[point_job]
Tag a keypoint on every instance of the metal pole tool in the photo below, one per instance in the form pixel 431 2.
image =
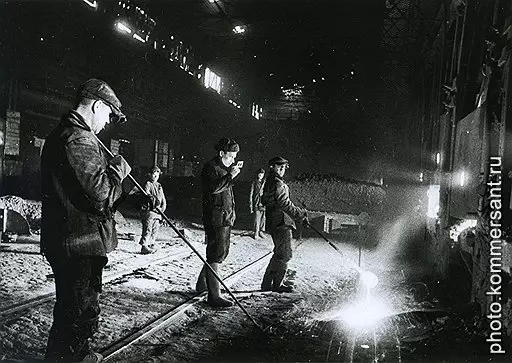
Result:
pixel 186 241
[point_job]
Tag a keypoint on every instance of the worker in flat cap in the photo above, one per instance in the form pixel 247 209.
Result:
pixel 257 208
pixel 150 216
pixel 80 188
pixel 281 216
pixel 219 216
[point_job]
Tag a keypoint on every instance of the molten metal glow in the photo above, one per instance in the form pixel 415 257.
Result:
pixel 369 279
pixel 364 315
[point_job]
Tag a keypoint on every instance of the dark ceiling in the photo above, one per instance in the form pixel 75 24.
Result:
pixel 286 41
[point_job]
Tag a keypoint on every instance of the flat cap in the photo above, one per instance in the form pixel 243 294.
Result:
pixel 277 160
pixel 227 145
pixel 261 171
pixel 97 89
pixel 155 168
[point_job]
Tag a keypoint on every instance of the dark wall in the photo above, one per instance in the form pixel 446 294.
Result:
pixel 52 47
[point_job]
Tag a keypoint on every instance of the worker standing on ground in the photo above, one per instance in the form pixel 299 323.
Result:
pixel 281 213
pixel 79 190
pixel 218 215
pixel 257 208
pixel 150 216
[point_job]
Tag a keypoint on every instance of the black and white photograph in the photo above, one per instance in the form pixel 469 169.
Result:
pixel 256 181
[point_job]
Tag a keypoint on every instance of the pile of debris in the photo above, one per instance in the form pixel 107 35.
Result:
pixel 332 193
pixel 29 209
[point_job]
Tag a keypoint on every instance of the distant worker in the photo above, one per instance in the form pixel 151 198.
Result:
pixel 257 208
pixel 150 216
pixel 218 215
pixel 80 189
pixel 281 213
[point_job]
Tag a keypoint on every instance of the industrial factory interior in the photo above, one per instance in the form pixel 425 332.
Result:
pixel 256 181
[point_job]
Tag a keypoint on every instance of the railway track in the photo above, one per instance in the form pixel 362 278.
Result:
pixel 174 313
pixel 23 324
pixel 43 298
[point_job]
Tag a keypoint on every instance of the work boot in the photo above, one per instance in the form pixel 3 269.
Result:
pixel 214 298
pixel 266 284
pixel 279 275
pixel 201 281
pixel 283 288
pixel 146 250
pixel 92 357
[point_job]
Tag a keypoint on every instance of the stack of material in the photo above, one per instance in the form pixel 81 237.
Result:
pixel 334 194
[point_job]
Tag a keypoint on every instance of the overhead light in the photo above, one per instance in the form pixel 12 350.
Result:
pixel 438 158
pixel 92 4
pixel 123 28
pixel 239 29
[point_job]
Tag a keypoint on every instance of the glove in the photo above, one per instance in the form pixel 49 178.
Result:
pixel 119 166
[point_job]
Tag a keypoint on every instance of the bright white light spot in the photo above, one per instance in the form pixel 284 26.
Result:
pixel 433 201
pixel 212 1
pixel 352 72
pixel 438 158
pixel 239 29
pixel 256 111
pixel 42 39
pixel 92 4
pixel 314 80
pixel 457 229
pixel 364 315
pixel 154 44
pixel 369 279
pixel 123 28
pixel 199 76
pixel 212 80
pixel 462 178
pixel 365 346
pixel 138 37
pixel 357 99
pixel 421 176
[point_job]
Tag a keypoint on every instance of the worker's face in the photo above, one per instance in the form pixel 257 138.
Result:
pixel 260 176
pixel 280 169
pixel 228 157
pixel 155 175
pixel 101 116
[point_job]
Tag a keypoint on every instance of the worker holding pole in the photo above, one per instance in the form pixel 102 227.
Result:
pixel 218 215
pixel 80 189
pixel 281 216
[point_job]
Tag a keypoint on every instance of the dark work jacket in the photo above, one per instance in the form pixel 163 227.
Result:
pixel 79 190
pixel 218 198
pixel 255 195
pixel 281 212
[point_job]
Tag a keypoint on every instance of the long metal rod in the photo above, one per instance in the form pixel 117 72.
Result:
pixel 187 242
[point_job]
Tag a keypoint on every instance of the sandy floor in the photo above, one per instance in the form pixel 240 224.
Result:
pixel 329 317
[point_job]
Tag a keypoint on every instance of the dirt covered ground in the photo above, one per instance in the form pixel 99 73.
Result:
pixel 329 317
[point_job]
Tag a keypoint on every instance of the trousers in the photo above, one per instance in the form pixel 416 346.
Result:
pixel 78 283
pixel 276 269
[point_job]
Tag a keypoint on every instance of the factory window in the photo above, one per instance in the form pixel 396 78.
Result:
pixel 256 111
pixel 212 80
